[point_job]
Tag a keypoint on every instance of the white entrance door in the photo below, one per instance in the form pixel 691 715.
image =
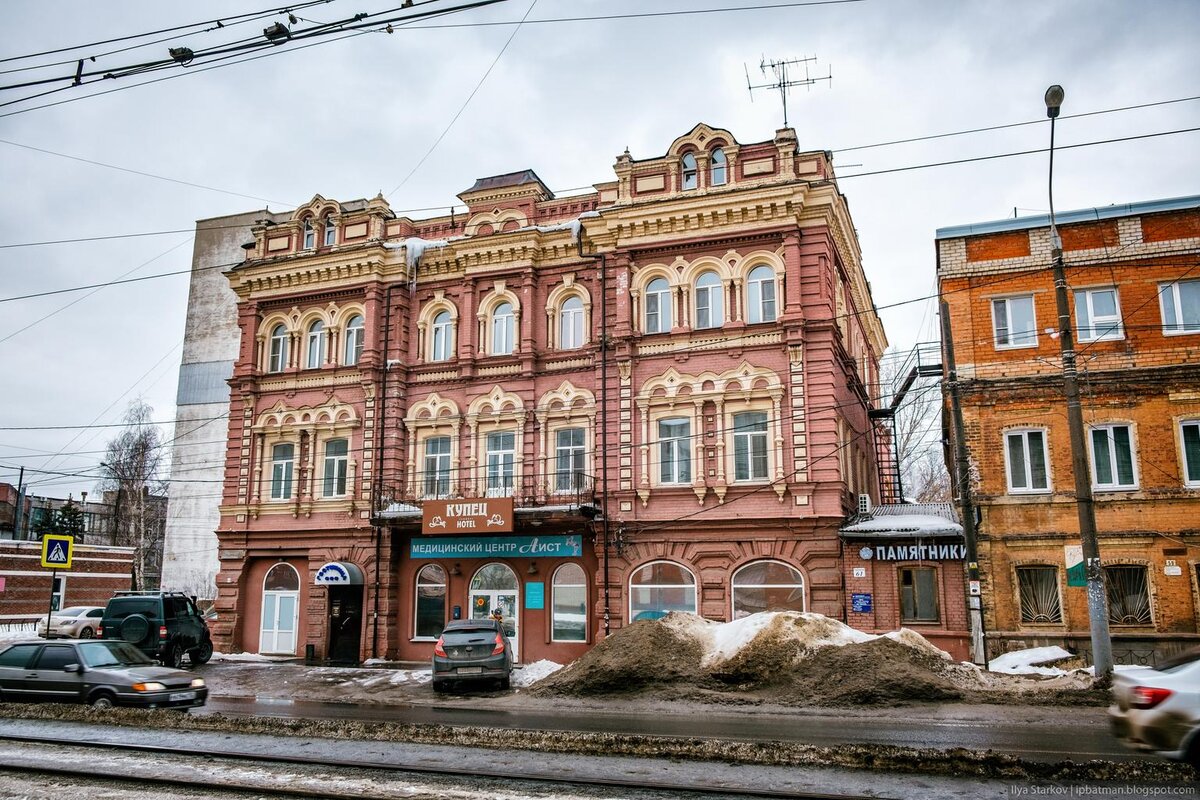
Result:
pixel 495 587
pixel 279 623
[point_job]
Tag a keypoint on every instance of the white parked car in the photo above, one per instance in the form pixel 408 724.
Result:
pixel 76 622
pixel 1159 709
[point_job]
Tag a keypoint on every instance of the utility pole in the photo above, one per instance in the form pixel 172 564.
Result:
pixel 20 505
pixel 1097 594
pixel 782 82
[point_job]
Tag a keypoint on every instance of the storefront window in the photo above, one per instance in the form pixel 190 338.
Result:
pixel 918 594
pixel 570 604
pixel 431 601
pixel 767 586
pixel 660 588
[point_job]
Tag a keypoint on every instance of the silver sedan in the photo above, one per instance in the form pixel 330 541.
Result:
pixel 76 622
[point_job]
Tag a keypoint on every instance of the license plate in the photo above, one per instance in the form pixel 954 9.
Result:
pixel 174 696
pixel 470 670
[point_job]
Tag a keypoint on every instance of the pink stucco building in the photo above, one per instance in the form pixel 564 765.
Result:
pixel 668 377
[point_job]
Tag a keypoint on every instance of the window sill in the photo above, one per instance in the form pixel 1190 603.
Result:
pixel 1030 492
pixel 920 622
pixel 1114 489
pixel 1180 333
pixel 1003 347
pixel 419 639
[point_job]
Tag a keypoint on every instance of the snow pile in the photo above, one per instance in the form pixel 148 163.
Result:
pixel 249 657
pixel 17 631
pixel 532 673
pixel 1025 662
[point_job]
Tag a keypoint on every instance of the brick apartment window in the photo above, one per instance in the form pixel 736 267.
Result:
pixel 570 324
pixel 568 459
pixel 1098 314
pixel 501 455
pixel 442 337
pixel 1013 322
pixel 658 306
pixel 1128 595
pixel 1112 457
pixel 336 463
pixel 1189 433
pixel 691 177
pixel 760 295
pixel 329 236
pixel 431 602
pixel 282 463
pixel 1025 452
pixel 502 330
pixel 310 235
pixel 1180 303
pixel 675 450
pixel 436 473
pixel 354 340
pixel 719 171
pixel 1038 590
pixel 277 362
pixel 316 345
pixel 710 301
pixel 918 594
pixel 750 446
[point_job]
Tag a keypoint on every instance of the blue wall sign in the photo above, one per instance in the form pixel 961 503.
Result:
pixel 535 595
pixel 860 603
pixel 496 547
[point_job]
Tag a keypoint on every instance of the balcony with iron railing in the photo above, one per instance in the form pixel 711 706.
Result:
pixel 570 492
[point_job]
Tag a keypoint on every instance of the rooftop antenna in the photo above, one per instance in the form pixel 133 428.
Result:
pixel 782 80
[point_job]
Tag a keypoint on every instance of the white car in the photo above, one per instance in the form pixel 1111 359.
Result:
pixel 76 622
pixel 1159 709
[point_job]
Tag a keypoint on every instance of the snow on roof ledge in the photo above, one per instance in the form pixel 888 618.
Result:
pixel 905 525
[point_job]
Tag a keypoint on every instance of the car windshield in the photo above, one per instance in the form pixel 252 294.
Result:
pixel 73 611
pixel 112 654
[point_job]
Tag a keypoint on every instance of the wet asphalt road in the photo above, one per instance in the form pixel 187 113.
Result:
pixel 1073 739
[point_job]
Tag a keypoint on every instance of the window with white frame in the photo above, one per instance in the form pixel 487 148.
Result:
pixel 354 340
pixel 568 459
pixel 278 359
pixel 441 337
pixel 1128 595
pixel 501 463
pixel 1189 437
pixel 1180 303
pixel 1025 452
pixel 1037 588
pixel 310 235
pixel 659 588
pixel 690 173
pixel 329 237
pixel 283 457
pixel 710 302
pixel 1013 322
pixel 316 345
pixel 1098 314
pixel 767 586
pixel 336 463
pixel 502 330
pixel 658 306
pixel 569 604
pixel 430 615
pixel 750 446
pixel 675 450
pixel 719 169
pixel 760 295
pixel 436 470
pixel 1112 457
pixel 570 324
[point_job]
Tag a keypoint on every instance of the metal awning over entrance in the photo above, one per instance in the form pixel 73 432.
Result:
pixel 339 573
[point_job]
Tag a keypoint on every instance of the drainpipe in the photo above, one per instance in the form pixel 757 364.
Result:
pixel 603 419
pixel 381 417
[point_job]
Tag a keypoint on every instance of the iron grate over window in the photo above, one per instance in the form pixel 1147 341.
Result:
pixel 1128 595
pixel 1038 590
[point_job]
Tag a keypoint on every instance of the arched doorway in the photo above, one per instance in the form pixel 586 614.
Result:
pixel 281 602
pixel 494 587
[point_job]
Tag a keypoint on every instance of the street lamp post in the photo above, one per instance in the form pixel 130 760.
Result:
pixel 1097 595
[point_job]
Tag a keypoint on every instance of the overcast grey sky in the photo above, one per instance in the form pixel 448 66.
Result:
pixel 350 118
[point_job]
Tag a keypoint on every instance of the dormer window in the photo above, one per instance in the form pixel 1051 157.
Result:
pixel 310 235
pixel 691 177
pixel 329 237
pixel 719 171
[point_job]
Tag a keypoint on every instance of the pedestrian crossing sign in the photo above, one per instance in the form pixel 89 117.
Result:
pixel 57 550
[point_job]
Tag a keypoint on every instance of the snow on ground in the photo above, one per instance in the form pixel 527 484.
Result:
pixel 1025 662
pixel 17 631
pixel 532 673
pixel 249 657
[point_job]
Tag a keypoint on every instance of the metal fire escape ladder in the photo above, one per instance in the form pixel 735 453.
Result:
pixel 922 362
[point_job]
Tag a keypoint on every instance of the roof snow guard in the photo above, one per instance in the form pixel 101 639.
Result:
pixel 905 521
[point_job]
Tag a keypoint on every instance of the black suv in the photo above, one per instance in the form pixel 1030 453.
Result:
pixel 163 625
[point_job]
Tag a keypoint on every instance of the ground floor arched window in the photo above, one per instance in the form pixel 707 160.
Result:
pixel 431 602
pixel 767 586
pixel 280 607
pixel 659 588
pixel 569 604
pixel 494 588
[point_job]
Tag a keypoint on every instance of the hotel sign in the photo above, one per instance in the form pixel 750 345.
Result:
pixel 498 547
pixel 468 515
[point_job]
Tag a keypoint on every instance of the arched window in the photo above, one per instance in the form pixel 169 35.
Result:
pixel 495 588
pixel 329 237
pixel 502 330
pixel 441 342
pixel 767 586
pixel 431 602
pixel 658 306
pixel 316 345
pixel 310 235
pixel 336 463
pixel 283 458
pixel 710 301
pixel 282 578
pixel 569 604
pixel 690 174
pixel 354 340
pixel 570 324
pixel 719 171
pixel 660 588
pixel 760 295
pixel 278 360
pixel 281 602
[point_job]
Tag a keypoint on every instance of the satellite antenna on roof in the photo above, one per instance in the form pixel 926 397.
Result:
pixel 782 81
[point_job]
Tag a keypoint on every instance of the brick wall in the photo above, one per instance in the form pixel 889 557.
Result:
pixel 96 573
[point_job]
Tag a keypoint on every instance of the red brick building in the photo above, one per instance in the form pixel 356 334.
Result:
pixel 1134 276
pixel 669 378
pixel 96 573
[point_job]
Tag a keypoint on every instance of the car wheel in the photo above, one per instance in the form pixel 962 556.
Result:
pixel 202 654
pixel 87 633
pixel 173 657
pixel 1193 754
pixel 135 628
pixel 103 701
pixel 506 682
pixel 439 686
